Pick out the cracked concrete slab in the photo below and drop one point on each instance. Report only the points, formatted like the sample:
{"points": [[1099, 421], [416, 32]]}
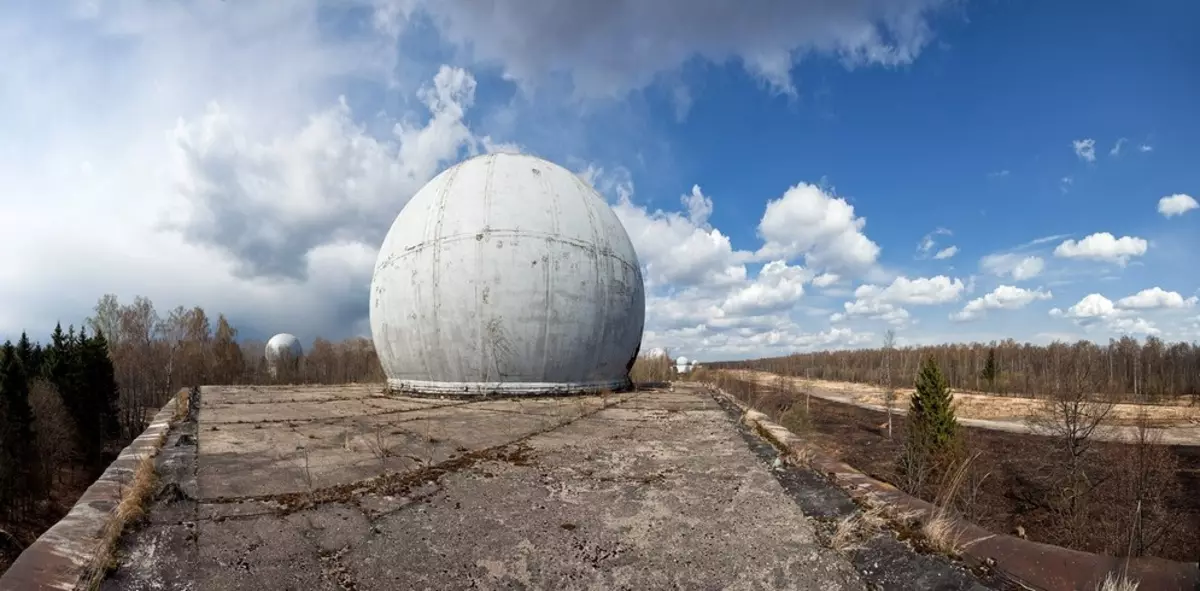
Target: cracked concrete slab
{"points": [[645, 490]]}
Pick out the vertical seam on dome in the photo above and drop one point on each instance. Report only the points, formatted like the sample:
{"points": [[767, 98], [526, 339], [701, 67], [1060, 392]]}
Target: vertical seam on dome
{"points": [[481, 309], [600, 345], [435, 273], [548, 272]]}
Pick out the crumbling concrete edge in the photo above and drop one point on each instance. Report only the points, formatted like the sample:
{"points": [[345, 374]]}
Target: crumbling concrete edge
{"points": [[1013, 560], [69, 554]]}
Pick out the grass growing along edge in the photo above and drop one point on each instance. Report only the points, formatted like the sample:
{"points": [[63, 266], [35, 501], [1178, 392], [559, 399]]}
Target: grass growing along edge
{"points": [[132, 505]]}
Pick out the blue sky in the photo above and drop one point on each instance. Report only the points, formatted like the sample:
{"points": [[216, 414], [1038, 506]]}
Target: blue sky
{"points": [[200, 152]]}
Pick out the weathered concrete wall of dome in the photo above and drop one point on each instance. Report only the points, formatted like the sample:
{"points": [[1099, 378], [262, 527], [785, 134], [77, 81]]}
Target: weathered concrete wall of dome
{"points": [[507, 274]]}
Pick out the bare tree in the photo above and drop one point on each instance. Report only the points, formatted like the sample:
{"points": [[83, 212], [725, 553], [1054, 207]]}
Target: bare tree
{"points": [[107, 320], [889, 386], [1071, 413], [55, 432]]}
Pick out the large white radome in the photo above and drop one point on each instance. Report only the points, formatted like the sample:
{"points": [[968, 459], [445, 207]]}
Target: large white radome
{"points": [[507, 274]]}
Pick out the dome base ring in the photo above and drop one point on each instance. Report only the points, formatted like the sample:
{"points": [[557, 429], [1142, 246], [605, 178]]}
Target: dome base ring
{"points": [[427, 389]]}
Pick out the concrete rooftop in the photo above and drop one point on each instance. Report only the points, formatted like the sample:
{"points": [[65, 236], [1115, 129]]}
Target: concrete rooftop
{"points": [[342, 487]]}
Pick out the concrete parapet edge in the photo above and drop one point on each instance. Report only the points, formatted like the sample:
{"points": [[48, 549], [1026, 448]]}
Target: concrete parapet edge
{"points": [[1021, 562], [68, 554]]}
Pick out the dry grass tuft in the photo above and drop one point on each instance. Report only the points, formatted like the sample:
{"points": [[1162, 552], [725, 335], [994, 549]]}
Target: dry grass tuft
{"points": [[852, 530], [804, 455], [846, 533], [183, 401], [940, 530], [133, 501], [1115, 582], [942, 534], [131, 508]]}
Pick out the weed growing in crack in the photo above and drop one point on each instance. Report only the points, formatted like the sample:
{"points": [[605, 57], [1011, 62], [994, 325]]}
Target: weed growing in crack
{"points": [[379, 448], [307, 472]]}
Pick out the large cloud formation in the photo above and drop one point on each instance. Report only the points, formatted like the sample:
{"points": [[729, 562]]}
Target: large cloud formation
{"points": [[608, 47], [248, 156]]}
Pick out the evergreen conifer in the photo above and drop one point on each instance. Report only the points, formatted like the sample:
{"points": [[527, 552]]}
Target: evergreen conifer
{"points": [[934, 441], [989, 370], [16, 430]]}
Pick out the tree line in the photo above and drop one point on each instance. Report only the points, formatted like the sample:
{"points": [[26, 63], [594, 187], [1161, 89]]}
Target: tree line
{"points": [[57, 402], [1122, 369], [69, 405]]}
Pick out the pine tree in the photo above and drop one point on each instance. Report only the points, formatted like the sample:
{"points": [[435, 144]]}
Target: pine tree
{"points": [[103, 393], [934, 441], [931, 417], [65, 367], [54, 357], [989, 370], [25, 354], [16, 433]]}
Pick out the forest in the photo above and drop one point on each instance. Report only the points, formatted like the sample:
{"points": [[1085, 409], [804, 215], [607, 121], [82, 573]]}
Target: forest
{"points": [[68, 405]]}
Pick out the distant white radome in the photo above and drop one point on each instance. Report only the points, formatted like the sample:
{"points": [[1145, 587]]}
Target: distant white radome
{"points": [[655, 353], [682, 364], [507, 274], [281, 350]]}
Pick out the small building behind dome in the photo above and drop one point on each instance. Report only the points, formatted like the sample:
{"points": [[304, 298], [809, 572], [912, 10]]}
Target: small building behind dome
{"points": [[283, 352], [507, 274]]}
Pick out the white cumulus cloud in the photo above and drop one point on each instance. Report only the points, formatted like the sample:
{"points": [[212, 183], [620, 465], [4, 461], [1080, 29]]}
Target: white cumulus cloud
{"points": [[886, 303], [1177, 204], [776, 288], [1004, 297], [1156, 298], [1016, 266], [680, 248], [807, 221], [1085, 149], [1095, 310], [922, 291], [1103, 246]]}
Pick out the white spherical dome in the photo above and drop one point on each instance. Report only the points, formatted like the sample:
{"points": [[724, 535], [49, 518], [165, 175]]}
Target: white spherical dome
{"points": [[507, 274], [283, 344], [681, 360]]}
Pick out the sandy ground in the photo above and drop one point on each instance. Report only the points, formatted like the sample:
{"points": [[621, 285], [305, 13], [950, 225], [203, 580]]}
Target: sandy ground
{"points": [[1175, 424]]}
